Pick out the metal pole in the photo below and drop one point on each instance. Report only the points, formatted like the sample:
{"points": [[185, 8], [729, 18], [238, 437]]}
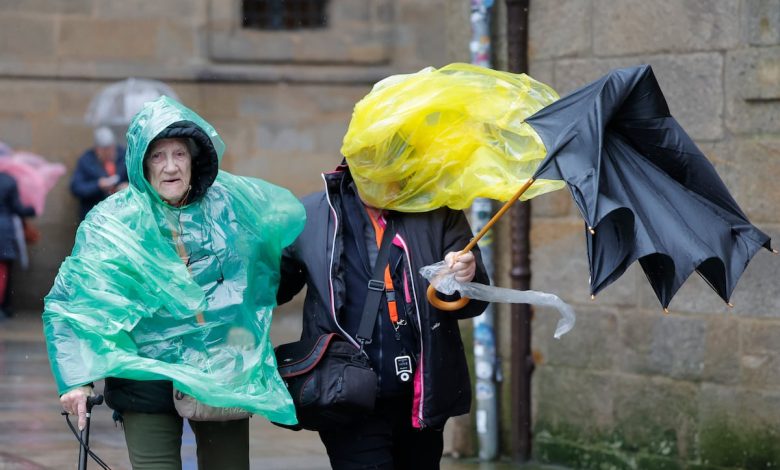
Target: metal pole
{"points": [[485, 361], [522, 364]]}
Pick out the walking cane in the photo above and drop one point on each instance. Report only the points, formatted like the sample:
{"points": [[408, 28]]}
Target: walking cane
{"points": [[84, 435]]}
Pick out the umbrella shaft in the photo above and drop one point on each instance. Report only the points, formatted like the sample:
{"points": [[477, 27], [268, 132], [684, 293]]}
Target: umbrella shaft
{"points": [[498, 215]]}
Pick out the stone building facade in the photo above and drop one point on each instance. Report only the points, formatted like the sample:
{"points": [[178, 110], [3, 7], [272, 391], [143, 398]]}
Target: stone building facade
{"points": [[631, 387]]}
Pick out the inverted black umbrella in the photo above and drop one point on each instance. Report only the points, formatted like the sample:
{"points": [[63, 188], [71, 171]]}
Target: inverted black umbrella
{"points": [[645, 190]]}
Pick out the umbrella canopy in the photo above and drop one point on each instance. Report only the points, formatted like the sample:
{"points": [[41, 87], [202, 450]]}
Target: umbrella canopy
{"points": [[645, 190], [116, 104], [34, 176]]}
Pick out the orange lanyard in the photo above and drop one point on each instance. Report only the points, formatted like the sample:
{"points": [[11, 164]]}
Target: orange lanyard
{"points": [[379, 231], [110, 168]]}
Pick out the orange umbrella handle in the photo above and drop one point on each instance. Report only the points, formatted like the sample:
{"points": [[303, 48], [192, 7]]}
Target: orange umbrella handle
{"points": [[443, 304], [460, 303]]}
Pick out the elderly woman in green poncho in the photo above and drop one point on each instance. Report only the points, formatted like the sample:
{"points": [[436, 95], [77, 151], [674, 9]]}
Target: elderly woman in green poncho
{"points": [[170, 286]]}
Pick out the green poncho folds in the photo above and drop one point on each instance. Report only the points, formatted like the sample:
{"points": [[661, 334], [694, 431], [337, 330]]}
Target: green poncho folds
{"points": [[124, 304]]}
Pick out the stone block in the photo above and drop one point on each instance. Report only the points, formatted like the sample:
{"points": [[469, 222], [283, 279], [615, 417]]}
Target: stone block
{"points": [[176, 43], [47, 6], [668, 345], [303, 46], [752, 90], [107, 39], [185, 11], [318, 47], [27, 38], [555, 204], [755, 73], [691, 83], [333, 99], [328, 135], [284, 169], [704, 348], [227, 45], [573, 404], [15, 132], [762, 22], [223, 14], [350, 11], [560, 28], [655, 416], [639, 27], [760, 362], [424, 27], [738, 427], [223, 101], [458, 37], [722, 343], [73, 99], [592, 344], [751, 171], [543, 71], [283, 139], [27, 98]]}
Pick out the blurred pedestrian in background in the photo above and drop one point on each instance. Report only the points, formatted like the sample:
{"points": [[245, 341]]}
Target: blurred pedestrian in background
{"points": [[10, 206], [100, 171]]}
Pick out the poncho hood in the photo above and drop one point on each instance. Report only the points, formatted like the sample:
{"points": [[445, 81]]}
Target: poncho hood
{"points": [[170, 119], [186, 293]]}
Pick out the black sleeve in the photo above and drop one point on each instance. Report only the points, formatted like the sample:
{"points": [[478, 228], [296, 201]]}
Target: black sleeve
{"points": [[293, 276], [83, 185], [458, 234]]}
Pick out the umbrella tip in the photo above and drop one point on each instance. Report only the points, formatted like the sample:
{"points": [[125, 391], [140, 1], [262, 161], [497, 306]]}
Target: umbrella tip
{"points": [[666, 311], [774, 251], [592, 232], [730, 304], [592, 297]]}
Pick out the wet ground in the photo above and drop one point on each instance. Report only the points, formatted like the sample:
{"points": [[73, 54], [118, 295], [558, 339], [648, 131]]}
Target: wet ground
{"points": [[33, 434]]}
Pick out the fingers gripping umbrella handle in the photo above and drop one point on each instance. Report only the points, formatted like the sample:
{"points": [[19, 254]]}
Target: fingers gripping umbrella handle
{"points": [[449, 306]]}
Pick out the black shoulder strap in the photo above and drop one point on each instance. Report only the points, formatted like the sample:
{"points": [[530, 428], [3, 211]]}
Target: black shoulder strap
{"points": [[376, 286]]}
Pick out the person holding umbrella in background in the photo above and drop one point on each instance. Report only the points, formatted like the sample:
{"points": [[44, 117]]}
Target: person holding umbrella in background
{"points": [[100, 171]]}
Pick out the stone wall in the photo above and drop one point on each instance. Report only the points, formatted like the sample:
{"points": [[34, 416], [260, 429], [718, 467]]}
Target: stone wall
{"points": [[631, 387], [281, 100]]}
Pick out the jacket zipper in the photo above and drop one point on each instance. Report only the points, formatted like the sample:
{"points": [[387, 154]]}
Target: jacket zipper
{"points": [[330, 267], [421, 362]]}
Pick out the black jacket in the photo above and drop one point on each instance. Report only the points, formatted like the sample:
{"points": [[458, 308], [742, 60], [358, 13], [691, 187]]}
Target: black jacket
{"points": [[315, 260], [89, 169], [10, 206]]}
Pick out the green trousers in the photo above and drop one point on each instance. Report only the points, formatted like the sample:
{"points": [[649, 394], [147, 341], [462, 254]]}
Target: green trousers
{"points": [[154, 442]]}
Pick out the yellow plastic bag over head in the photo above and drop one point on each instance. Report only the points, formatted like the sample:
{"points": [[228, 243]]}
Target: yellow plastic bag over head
{"points": [[445, 137]]}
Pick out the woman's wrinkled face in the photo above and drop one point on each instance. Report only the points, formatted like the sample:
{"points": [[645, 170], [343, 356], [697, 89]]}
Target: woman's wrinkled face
{"points": [[168, 169]]}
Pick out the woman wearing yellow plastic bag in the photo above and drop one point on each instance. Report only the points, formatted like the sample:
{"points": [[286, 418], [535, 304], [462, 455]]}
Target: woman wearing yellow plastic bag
{"points": [[171, 283]]}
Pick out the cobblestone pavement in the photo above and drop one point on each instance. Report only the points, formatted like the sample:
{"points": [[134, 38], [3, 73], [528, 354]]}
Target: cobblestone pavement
{"points": [[33, 434]]}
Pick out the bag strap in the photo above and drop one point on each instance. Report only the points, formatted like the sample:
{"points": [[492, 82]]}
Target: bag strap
{"points": [[376, 286]]}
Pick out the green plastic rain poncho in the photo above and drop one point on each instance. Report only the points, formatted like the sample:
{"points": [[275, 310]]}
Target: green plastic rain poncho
{"points": [[125, 304], [445, 137]]}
